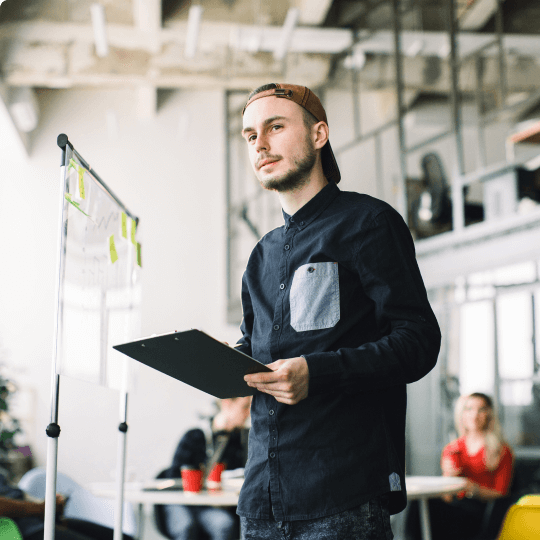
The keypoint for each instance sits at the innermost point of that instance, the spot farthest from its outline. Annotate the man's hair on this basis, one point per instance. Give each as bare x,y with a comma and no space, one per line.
309,119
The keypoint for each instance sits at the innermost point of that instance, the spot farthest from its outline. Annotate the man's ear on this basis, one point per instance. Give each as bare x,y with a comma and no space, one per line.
320,134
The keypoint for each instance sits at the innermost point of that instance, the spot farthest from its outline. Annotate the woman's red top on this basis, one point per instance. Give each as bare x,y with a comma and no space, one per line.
474,467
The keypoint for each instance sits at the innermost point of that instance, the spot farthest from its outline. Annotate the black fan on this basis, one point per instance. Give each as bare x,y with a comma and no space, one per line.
430,208
430,204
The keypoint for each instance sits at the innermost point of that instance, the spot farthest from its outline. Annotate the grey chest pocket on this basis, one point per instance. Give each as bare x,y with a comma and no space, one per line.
315,297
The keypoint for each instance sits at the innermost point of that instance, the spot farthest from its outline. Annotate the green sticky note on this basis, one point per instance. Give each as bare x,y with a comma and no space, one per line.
112,249
133,231
81,182
139,257
124,225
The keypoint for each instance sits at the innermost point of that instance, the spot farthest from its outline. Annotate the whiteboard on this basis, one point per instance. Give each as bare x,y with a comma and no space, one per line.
99,292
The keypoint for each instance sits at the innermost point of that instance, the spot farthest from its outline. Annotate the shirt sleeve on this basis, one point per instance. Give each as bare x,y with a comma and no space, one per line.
244,343
191,450
409,341
503,473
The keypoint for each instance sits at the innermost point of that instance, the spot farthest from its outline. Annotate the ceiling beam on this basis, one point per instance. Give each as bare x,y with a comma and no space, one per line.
213,35
147,15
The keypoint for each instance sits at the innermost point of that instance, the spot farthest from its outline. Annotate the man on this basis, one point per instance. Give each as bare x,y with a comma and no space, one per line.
334,303
197,449
28,515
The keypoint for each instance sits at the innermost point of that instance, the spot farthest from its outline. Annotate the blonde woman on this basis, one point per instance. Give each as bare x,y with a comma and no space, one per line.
479,454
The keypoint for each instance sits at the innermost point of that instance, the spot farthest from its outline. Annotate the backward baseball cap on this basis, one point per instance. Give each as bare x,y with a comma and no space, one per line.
308,100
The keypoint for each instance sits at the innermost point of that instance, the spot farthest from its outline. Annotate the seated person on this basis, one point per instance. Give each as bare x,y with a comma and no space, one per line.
482,457
29,516
194,450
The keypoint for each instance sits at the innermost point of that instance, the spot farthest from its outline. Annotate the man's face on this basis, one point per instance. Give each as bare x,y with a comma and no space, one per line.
280,146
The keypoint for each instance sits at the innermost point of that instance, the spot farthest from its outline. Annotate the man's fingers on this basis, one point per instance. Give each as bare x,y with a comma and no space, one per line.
267,377
260,378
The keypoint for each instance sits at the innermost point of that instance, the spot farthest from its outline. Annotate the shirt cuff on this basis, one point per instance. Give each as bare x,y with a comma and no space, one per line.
322,378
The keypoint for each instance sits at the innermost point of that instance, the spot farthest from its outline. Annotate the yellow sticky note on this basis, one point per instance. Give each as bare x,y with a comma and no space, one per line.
124,225
112,249
81,183
139,256
133,231
77,206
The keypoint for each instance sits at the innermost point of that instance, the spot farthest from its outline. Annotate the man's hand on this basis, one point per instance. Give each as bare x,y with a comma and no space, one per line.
288,383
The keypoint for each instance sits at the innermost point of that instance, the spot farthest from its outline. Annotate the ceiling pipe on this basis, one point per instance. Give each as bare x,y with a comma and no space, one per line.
97,12
193,30
285,38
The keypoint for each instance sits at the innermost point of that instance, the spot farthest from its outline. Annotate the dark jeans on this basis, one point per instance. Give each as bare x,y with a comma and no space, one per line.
76,529
369,521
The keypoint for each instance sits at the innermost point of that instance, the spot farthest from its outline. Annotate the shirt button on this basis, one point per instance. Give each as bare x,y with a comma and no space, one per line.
282,286
301,223
271,412
287,247
272,455
276,326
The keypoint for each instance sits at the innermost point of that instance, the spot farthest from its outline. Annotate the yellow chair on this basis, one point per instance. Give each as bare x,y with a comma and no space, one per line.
533,500
522,522
9,530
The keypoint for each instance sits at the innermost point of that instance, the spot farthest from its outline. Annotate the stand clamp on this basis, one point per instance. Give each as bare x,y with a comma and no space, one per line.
53,430
123,427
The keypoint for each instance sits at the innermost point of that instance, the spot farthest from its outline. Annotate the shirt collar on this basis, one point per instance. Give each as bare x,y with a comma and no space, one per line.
303,217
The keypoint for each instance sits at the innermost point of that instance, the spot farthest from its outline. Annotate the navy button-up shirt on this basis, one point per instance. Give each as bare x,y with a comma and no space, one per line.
354,305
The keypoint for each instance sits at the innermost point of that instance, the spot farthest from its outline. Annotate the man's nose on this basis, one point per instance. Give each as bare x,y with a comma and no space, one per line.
261,143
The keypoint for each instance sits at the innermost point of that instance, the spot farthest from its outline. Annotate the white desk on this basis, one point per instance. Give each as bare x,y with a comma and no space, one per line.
423,488
135,494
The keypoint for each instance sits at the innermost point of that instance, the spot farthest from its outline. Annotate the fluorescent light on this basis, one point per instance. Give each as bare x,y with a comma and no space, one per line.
24,109
286,33
193,29
97,11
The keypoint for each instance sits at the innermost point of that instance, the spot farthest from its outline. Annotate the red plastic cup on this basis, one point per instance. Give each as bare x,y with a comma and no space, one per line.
214,478
191,479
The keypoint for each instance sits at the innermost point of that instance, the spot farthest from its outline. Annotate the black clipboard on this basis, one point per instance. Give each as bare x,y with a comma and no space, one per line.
197,359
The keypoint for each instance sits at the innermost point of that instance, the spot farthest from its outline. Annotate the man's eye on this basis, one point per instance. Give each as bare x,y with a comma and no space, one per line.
251,138
276,126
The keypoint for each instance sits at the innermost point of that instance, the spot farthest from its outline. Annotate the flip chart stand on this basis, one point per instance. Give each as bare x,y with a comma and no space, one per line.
53,429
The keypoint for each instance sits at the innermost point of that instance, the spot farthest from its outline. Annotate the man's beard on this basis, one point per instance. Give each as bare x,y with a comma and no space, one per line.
293,179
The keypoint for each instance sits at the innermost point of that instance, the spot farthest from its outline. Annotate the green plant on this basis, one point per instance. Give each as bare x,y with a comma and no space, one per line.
9,426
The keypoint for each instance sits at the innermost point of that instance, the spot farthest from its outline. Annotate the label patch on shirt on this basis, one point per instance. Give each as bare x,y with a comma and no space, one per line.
395,482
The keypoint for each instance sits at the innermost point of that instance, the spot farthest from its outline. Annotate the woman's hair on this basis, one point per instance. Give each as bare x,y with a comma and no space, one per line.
493,433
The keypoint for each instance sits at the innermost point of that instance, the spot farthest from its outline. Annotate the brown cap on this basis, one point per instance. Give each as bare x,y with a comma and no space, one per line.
307,99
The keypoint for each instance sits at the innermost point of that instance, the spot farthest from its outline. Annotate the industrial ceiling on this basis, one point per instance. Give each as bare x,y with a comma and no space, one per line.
239,44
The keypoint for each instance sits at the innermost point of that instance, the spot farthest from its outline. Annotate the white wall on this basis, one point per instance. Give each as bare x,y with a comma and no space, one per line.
173,178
